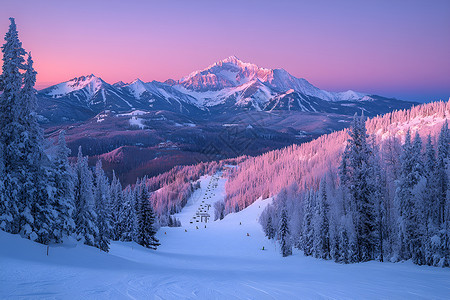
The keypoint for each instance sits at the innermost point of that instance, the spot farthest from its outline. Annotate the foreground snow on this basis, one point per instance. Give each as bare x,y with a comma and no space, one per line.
217,262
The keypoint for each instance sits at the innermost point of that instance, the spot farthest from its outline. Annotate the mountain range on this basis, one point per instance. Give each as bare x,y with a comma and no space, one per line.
227,86
226,110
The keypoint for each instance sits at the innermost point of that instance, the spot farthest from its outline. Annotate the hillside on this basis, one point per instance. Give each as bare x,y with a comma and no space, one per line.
307,163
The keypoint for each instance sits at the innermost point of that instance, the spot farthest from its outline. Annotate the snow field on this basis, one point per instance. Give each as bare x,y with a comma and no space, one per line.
217,262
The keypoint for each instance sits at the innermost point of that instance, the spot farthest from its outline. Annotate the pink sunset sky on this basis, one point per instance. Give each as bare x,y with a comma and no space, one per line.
391,48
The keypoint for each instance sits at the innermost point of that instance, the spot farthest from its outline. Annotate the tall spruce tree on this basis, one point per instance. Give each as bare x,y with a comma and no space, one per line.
270,230
38,182
64,185
85,217
146,219
377,181
102,208
355,177
322,228
441,168
117,209
308,226
410,177
284,234
10,84
128,217
441,241
430,201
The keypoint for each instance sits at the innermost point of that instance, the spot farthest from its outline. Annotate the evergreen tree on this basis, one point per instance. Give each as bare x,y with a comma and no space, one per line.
102,208
429,200
270,230
146,219
85,216
64,187
441,168
17,216
322,227
284,234
28,182
308,226
355,176
377,181
409,208
441,240
38,185
117,209
128,228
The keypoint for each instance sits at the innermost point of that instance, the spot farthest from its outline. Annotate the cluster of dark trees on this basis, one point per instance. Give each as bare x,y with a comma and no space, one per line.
42,196
385,201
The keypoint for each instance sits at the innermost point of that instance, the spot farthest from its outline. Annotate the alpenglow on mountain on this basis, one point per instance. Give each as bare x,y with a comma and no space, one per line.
225,86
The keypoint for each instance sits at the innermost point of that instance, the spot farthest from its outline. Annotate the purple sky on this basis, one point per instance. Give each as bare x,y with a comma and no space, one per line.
391,48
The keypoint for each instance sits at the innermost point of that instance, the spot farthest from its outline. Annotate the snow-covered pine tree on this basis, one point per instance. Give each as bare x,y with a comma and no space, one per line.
85,216
28,189
441,168
410,177
10,85
441,240
37,187
64,188
430,200
117,209
284,234
322,226
308,226
431,195
269,229
355,176
146,219
102,208
419,208
128,217
377,180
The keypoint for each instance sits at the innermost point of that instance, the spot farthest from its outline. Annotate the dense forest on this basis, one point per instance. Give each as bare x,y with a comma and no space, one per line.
386,200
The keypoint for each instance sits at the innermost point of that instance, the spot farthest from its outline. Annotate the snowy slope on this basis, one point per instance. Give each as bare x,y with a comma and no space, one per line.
216,262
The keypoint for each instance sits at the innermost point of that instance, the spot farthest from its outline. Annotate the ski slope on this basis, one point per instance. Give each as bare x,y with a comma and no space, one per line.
225,260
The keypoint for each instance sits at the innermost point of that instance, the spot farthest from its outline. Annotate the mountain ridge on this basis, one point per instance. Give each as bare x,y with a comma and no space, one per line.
226,86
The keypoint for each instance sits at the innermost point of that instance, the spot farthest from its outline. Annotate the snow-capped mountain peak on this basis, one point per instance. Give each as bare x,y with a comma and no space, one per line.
137,88
90,85
232,72
229,72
